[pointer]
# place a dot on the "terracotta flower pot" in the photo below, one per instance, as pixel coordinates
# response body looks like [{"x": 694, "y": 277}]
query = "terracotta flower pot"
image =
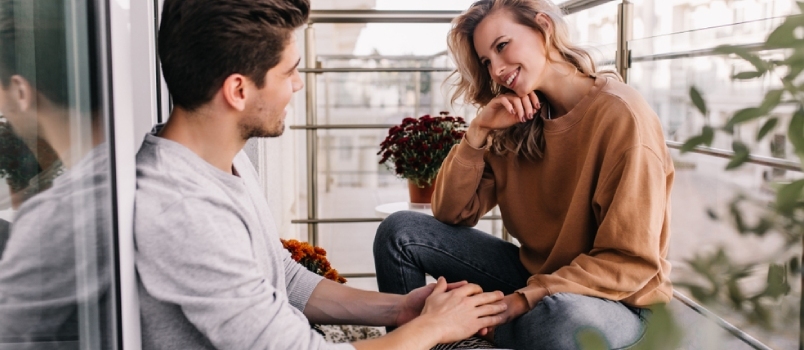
[{"x": 419, "y": 195}]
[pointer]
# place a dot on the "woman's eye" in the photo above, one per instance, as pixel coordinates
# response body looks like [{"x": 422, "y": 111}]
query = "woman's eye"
[
  {"x": 485, "y": 63},
  {"x": 500, "y": 46}
]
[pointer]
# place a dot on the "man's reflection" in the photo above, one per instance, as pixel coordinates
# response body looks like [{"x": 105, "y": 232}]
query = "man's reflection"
[{"x": 55, "y": 269}]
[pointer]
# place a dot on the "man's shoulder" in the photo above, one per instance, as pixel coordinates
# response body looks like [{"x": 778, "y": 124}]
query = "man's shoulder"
[{"x": 166, "y": 175}]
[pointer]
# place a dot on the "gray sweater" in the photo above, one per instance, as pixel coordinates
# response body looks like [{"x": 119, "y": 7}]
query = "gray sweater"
[{"x": 212, "y": 272}]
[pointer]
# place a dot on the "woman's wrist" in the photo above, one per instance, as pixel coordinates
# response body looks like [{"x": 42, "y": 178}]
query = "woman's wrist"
[{"x": 476, "y": 135}]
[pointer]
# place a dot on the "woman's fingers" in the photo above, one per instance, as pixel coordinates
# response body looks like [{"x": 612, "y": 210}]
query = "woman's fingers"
[
  {"x": 519, "y": 108},
  {"x": 507, "y": 105},
  {"x": 469, "y": 289},
  {"x": 534, "y": 100}
]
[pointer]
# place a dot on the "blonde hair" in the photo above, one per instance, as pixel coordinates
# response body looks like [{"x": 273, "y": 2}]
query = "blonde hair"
[{"x": 475, "y": 84}]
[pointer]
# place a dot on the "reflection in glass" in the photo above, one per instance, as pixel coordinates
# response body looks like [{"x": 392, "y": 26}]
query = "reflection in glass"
[{"x": 56, "y": 259}]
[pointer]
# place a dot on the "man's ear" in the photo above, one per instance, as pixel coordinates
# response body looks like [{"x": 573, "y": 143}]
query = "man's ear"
[
  {"x": 234, "y": 91},
  {"x": 21, "y": 93}
]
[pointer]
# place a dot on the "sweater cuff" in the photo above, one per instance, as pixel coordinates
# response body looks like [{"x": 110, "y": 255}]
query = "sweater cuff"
[
  {"x": 469, "y": 155},
  {"x": 303, "y": 288},
  {"x": 534, "y": 292}
]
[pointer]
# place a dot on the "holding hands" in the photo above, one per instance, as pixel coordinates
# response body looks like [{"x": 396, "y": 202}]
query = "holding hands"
[{"x": 462, "y": 310}]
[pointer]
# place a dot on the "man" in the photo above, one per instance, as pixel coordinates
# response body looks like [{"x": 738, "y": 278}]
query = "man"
[{"x": 212, "y": 272}]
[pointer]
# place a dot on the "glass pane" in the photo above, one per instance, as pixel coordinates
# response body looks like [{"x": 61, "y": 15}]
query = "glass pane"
[
  {"x": 657, "y": 17},
  {"x": 56, "y": 255},
  {"x": 418, "y": 5},
  {"x": 663, "y": 70}
]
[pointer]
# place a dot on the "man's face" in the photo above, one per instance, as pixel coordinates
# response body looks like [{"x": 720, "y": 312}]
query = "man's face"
[{"x": 265, "y": 114}]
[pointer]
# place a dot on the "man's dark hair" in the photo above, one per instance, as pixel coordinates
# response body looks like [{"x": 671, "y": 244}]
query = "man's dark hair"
[
  {"x": 202, "y": 42},
  {"x": 33, "y": 45}
]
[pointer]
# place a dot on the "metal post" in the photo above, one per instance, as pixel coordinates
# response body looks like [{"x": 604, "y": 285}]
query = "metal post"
[
  {"x": 312, "y": 144},
  {"x": 417, "y": 85},
  {"x": 625, "y": 20}
]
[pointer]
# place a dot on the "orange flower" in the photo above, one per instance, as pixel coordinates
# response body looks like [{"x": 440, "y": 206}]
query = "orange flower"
[{"x": 312, "y": 258}]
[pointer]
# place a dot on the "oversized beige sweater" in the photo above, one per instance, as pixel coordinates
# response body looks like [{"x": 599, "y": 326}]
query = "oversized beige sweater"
[{"x": 592, "y": 215}]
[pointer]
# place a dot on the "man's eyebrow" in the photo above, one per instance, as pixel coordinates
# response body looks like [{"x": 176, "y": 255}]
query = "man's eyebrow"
[{"x": 294, "y": 66}]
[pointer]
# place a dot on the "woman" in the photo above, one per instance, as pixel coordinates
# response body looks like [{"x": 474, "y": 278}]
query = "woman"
[{"x": 576, "y": 162}]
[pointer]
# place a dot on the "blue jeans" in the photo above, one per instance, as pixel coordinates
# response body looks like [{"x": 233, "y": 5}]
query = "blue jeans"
[{"x": 409, "y": 245}]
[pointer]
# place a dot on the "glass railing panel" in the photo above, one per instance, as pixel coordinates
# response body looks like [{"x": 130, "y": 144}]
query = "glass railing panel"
[
  {"x": 665, "y": 84},
  {"x": 702, "y": 223},
  {"x": 384, "y": 97},
  {"x": 657, "y": 17},
  {"x": 57, "y": 259}
]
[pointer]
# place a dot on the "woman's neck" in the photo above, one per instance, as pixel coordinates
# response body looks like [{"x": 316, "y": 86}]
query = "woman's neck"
[{"x": 564, "y": 91}]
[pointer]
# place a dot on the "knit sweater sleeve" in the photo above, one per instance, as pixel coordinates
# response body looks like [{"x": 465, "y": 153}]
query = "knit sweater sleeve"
[
  {"x": 197, "y": 254},
  {"x": 464, "y": 187},
  {"x": 630, "y": 204}
]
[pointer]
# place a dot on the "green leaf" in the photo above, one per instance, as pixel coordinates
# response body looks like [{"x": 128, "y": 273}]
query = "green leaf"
[
  {"x": 795, "y": 133},
  {"x": 747, "y": 75},
  {"x": 744, "y": 115},
  {"x": 741, "y": 155},
  {"x": 795, "y": 264},
  {"x": 772, "y": 99},
  {"x": 697, "y": 100},
  {"x": 766, "y": 128},
  {"x": 758, "y": 63},
  {"x": 778, "y": 284},
  {"x": 590, "y": 339},
  {"x": 705, "y": 138},
  {"x": 784, "y": 35},
  {"x": 788, "y": 195}
]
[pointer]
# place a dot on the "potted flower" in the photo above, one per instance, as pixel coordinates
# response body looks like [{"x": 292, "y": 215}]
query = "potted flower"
[{"x": 416, "y": 148}]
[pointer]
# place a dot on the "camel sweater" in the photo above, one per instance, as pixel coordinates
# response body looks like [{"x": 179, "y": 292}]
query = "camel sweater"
[{"x": 593, "y": 215}]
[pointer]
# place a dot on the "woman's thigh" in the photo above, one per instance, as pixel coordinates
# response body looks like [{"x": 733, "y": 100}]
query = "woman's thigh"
[
  {"x": 409, "y": 244},
  {"x": 561, "y": 320}
]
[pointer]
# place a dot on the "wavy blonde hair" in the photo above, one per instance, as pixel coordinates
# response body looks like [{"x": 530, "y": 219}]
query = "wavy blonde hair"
[{"x": 474, "y": 83}]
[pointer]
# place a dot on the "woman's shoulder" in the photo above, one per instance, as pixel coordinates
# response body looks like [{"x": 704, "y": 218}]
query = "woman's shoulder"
[{"x": 622, "y": 112}]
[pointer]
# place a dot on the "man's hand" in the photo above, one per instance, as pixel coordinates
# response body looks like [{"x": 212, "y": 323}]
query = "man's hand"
[
  {"x": 459, "y": 313},
  {"x": 412, "y": 304}
]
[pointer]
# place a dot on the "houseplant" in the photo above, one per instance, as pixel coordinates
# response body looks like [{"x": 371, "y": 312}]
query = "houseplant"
[
  {"x": 416, "y": 148},
  {"x": 722, "y": 278}
]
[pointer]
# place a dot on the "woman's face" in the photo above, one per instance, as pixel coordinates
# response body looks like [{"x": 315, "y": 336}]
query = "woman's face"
[{"x": 513, "y": 53}]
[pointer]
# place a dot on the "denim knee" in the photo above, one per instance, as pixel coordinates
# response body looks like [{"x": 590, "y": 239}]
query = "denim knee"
[{"x": 396, "y": 227}]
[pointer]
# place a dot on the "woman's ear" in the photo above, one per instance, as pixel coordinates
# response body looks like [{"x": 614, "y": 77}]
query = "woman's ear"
[{"x": 544, "y": 21}]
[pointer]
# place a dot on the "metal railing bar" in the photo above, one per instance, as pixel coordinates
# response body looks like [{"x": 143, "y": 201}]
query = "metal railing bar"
[
  {"x": 342, "y": 126},
  {"x": 359, "y": 220},
  {"x": 693, "y": 53},
  {"x": 375, "y": 70},
  {"x": 573, "y": 6},
  {"x": 402, "y": 16},
  {"x": 358, "y": 275},
  {"x": 751, "y": 341},
  {"x": 383, "y": 57},
  {"x": 722, "y": 153},
  {"x": 381, "y": 16}
]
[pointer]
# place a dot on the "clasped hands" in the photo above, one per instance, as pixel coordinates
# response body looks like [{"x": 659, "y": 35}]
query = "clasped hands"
[{"x": 460, "y": 310}]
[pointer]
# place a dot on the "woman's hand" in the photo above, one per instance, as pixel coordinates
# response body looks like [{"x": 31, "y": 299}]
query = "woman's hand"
[
  {"x": 461, "y": 312},
  {"x": 502, "y": 112},
  {"x": 517, "y": 306}
]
